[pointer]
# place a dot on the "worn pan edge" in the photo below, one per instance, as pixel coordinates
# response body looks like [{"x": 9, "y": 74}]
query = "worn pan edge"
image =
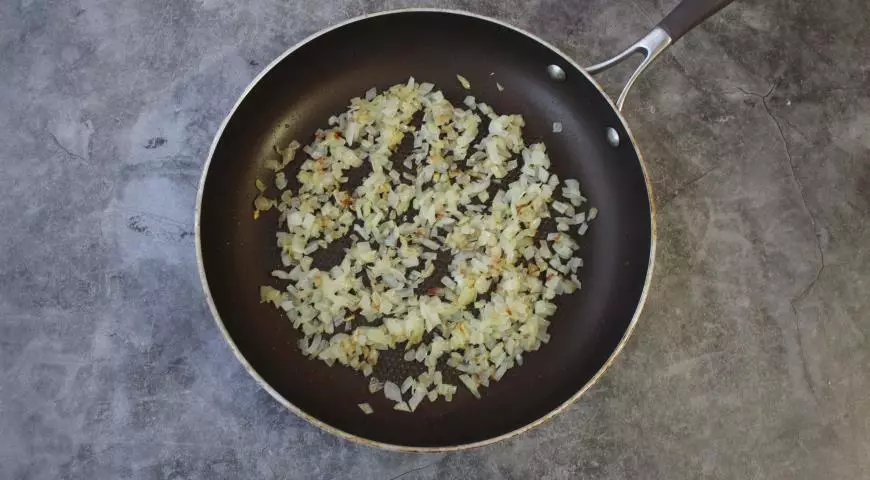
[{"x": 356, "y": 438}]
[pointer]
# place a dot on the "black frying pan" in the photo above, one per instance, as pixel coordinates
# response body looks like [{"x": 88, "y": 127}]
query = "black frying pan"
[{"x": 315, "y": 79}]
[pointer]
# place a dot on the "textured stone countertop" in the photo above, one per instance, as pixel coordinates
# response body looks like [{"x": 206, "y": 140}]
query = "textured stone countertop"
[{"x": 751, "y": 360}]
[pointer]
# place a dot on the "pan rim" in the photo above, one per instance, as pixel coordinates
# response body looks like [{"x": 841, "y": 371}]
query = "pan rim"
[{"x": 385, "y": 445}]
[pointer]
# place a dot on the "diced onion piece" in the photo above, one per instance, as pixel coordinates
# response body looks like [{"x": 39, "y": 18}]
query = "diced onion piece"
[
  {"x": 392, "y": 392},
  {"x": 470, "y": 384},
  {"x": 464, "y": 82},
  {"x": 262, "y": 203},
  {"x": 375, "y": 385},
  {"x": 416, "y": 398},
  {"x": 406, "y": 385},
  {"x": 280, "y": 181}
]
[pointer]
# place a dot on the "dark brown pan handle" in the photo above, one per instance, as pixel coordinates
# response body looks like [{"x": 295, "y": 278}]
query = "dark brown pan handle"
[
  {"x": 688, "y": 14},
  {"x": 684, "y": 17}
]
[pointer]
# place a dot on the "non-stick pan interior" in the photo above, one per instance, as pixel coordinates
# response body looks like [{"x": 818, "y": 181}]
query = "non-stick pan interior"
[{"x": 298, "y": 95}]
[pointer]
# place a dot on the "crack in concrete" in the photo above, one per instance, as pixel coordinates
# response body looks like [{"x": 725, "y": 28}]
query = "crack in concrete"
[
  {"x": 66, "y": 150},
  {"x": 847, "y": 89},
  {"x": 796, "y": 129},
  {"x": 856, "y": 208},
  {"x": 416, "y": 469},
  {"x": 813, "y": 223},
  {"x": 682, "y": 188}
]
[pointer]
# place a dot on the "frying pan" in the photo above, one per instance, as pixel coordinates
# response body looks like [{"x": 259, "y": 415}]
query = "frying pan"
[{"x": 315, "y": 79}]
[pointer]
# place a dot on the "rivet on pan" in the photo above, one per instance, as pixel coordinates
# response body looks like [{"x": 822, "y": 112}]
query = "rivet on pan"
[
  {"x": 556, "y": 73},
  {"x": 612, "y": 137}
]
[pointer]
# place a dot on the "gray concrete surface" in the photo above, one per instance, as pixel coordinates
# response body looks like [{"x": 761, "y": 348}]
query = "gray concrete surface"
[{"x": 752, "y": 358}]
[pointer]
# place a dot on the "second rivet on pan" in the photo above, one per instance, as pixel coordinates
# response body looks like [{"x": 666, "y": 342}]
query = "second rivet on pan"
[
  {"x": 556, "y": 73},
  {"x": 612, "y": 137}
]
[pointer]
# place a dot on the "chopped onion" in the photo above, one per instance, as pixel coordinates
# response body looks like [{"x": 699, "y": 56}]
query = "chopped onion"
[
  {"x": 416, "y": 398},
  {"x": 453, "y": 205},
  {"x": 375, "y": 385},
  {"x": 464, "y": 81},
  {"x": 280, "y": 181},
  {"x": 366, "y": 408},
  {"x": 392, "y": 392},
  {"x": 406, "y": 385},
  {"x": 470, "y": 384},
  {"x": 593, "y": 212},
  {"x": 262, "y": 203}
]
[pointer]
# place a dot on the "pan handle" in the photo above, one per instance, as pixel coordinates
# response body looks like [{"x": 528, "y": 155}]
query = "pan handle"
[{"x": 685, "y": 16}]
